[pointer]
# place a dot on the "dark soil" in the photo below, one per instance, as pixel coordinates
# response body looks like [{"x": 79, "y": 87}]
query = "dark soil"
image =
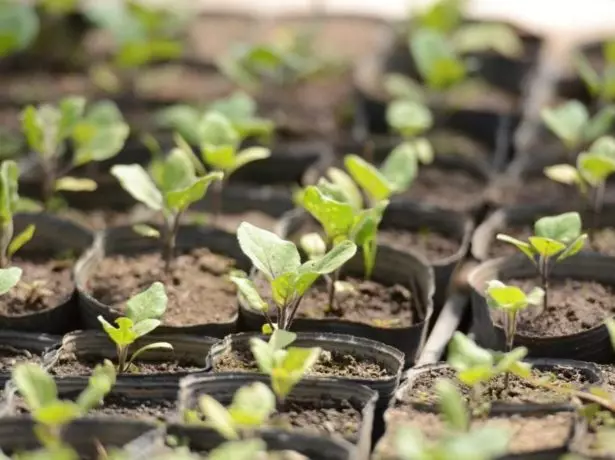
[
  {"x": 135, "y": 408},
  {"x": 199, "y": 291},
  {"x": 447, "y": 189},
  {"x": 528, "y": 433},
  {"x": 45, "y": 284},
  {"x": 517, "y": 392},
  {"x": 574, "y": 306},
  {"x": 331, "y": 363},
  {"x": 10, "y": 356},
  {"x": 434, "y": 246}
]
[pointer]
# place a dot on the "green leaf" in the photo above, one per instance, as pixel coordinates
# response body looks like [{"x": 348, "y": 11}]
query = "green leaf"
[
  {"x": 399, "y": 86},
  {"x": 150, "y": 346},
  {"x": 249, "y": 292},
  {"x": 135, "y": 180},
  {"x": 98, "y": 142},
  {"x": 249, "y": 155},
  {"x": 283, "y": 289},
  {"x": 71, "y": 111},
  {"x": 409, "y": 118},
  {"x": 145, "y": 326},
  {"x": 218, "y": 417},
  {"x": 21, "y": 239},
  {"x": 604, "y": 145},
  {"x": 19, "y": 26},
  {"x": 294, "y": 366},
  {"x": 263, "y": 354},
  {"x": 33, "y": 129},
  {"x": 181, "y": 118},
  {"x": 452, "y": 405},
  {"x": 9, "y": 176},
  {"x": 600, "y": 124},
  {"x": 368, "y": 177},
  {"x": 57, "y": 413},
  {"x": 149, "y": 304},
  {"x": 313, "y": 245},
  {"x": 463, "y": 353},
  {"x": 508, "y": 362},
  {"x": 436, "y": 60},
  {"x": 566, "y": 174},
  {"x": 238, "y": 106},
  {"x": 175, "y": 172},
  {"x": 238, "y": 450},
  {"x": 75, "y": 184},
  {"x": 573, "y": 248},
  {"x": 333, "y": 260},
  {"x": 280, "y": 339},
  {"x": 185, "y": 147},
  {"x": 546, "y": 247},
  {"x": 346, "y": 186},
  {"x": 335, "y": 217},
  {"x": 216, "y": 130},
  {"x": 252, "y": 405},
  {"x": 269, "y": 253},
  {"x": 475, "y": 375},
  {"x": 182, "y": 199},
  {"x": 587, "y": 73},
  {"x": 9, "y": 277},
  {"x": 122, "y": 335},
  {"x": 567, "y": 121},
  {"x": 35, "y": 385},
  {"x": 564, "y": 227},
  {"x": 401, "y": 167},
  {"x": 99, "y": 385},
  {"x": 524, "y": 247},
  {"x": 595, "y": 168},
  {"x": 443, "y": 16},
  {"x": 146, "y": 231},
  {"x": 536, "y": 296},
  {"x": 484, "y": 36},
  {"x": 509, "y": 298}
]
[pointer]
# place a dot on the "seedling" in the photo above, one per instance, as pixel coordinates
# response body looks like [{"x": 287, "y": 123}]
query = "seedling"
[
  {"x": 511, "y": 300},
  {"x": 9, "y": 200},
  {"x": 51, "y": 414},
  {"x": 285, "y": 366},
  {"x": 170, "y": 187},
  {"x": 143, "y": 313},
  {"x": 97, "y": 134},
  {"x": 556, "y": 238},
  {"x": 19, "y": 27},
  {"x": 600, "y": 85},
  {"x": 279, "y": 261},
  {"x": 411, "y": 120}
]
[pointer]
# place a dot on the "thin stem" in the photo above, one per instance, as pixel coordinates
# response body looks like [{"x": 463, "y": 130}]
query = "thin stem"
[
  {"x": 293, "y": 311},
  {"x": 269, "y": 321},
  {"x": 218, "y": 189},
  {"x": 511, "y": 326},
  {"x": 48, "y": 183},
  {"x": 170, "y": 237},
  {"x": 544, "y": 280},
  {"x": 597, "y": 204},
  {"x": 122, "y": 353},
  {"x": 5, "y": 240},
  {"x": 334, "y": 279}
]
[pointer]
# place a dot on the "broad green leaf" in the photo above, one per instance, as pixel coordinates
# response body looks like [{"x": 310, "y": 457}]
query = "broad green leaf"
[
  {"x": 484, "y": 36},
  {"x": 146, "y": 231},
  {"x": 475, "y": 375},
  {"x": 151, "y": 346},
  {"x": 187, "y": 149},
  {"x": 604, "y": 145},
  {"x": 536, "y": 296},
  {"x": 442, "y": 15},
  {"x": 506, "y": 361},
  {"x": 71, "y": 111},
  {"x": 249, "y": 155},
  {"x": 401, "y": 167},
  {"x": 35, "y": 385},
  {"x": 524, "y": 247},
  {"x": 33, "y": 129},
  {"x": 249, "y": 292},
  {"x": 182, "y": 119},
  {"x": 595, "y": 168},
  {"x": 573, "y": 248},
  {"x": 546, "y": 247},
  {"x": 346, "y": 186},
  {"x": 75, "y": 184},
  {"x": 423, "y": 150},
  {"x": 333, "y": 191},
  {"x": 280, "y": 339},
  {"x": 313, "y": 245},
  {"x": 28, "y": 205},
  {"x": 122, "y": 335},
  {"x": 9, "y": 176},
  {"x": 216, "y": 130},
  {"x": 145, "y": 326},
  {"x": 600, "y": 124},
  {"x": 57, "y": 413},
  {"x": 218, "y": 417},
  {"x": 368, "y": 177},
  {"x": 300, "y": 360},
  {"x": 463, "y": 353},
  {"x": 283, "y": 288},
  {"x": 135, "y": 180},
  {"x": 335, "y": 217},
  {"x": 98, "y": 142},
  {"x": 263, "y": 354},
  {"x": 9, "y": 277},
  {"x": 567, "y": 121},
  {"x": 99, "y": 384},
  {"x": 20, "y": 240},
  {"x": 269, "y": 253},
  {"x": 175, "y": 172},
  {"x": 564, "y": 173},
  {"x": 435, "y": 59},
  {"x": 220, "y": 157},
  {"x": 182, "y": 199},
  {"x": 252, "y": 405},
  {"x": 19, "y": 26},
  {"x": 149, "y": 304},
  {"x": 409, "y": 118},
  {"x": 452, "y": 405},
  {"x": 236, "y": 107},
  {"x": 399, "y": 86},
  {"x": 564, "y": 227},
  {"x": 587, "y": 73},
  {"x": 238, "y": 450},
  {"x": 507, "y": 297}
]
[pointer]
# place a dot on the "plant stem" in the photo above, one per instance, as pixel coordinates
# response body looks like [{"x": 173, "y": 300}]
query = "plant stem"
[
  {"x": 597, "y": 204},
  {"x": 48, "y": 183},
  {"x": 544, "y": 280},
  {"x": 334, "y": 279},
  {"x": 218, "y": 188},
  {"x": 122, "y": 354},
  {"x": 170, "y": 237},
  {"x": 294, "y": 306},
  {"x": 6, "y": 235}
]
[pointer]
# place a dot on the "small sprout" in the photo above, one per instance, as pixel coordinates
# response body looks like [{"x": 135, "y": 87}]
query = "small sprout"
[
  {"x": 556, "y": 238},
  {"x": 97, "y": 134},
  {"x": 285, "y": 366},
  {"x": 511, "y": 300},
  {"x": 143, "y": 312},
  {"x": 279, "y": 261},
  {"x": 170, "y": 187}
]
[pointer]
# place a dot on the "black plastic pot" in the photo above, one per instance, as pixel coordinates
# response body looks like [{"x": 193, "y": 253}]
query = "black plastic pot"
[
  {"x": 52, "y": 236},
  {"x": 591, "y": 345},
  {"x": 313, "y": 447},
  {"x": 96, "y": 346},
  {"x": 17, "y": 435},
  {"x": 391, "y": 267},
  {"x": 388, "y": 357},
  {"x": 123, "y": 240},
  {"x": 222, "y": 387}
]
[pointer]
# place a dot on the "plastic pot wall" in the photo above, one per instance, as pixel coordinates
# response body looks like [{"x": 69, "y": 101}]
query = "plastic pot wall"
[
  {"x": 591, "y": 345},
  {"x": 391, "y": 267}
]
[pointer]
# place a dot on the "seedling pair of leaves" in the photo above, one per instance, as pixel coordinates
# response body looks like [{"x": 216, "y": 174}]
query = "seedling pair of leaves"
[
  {"x": 143, "y": 313},
  {"x": 96, "y": 134},
  {"x": 600, "y": 84},
  {"x": 411, "y": 119},
  {"x": 170, "y": 186},
  {"x": 279, "y": 261}
]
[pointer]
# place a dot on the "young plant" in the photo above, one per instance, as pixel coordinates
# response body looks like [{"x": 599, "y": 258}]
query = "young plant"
[
  {"x": 285, "y": 366},
  {"x": 556, "y": 238},
  {"x": 601, "y": 85},
  {"x": 279, "y": 261},
  {"x": 51, "y": 414},
  {"x": 511, "y": 300},
  {"x": 411, "y": 120},
  {"x": 96, "y": 134},
  {"x": 143, "y": 313},
  {"x": 19, "y": 27},
  {"x": 170, "y": 186}
]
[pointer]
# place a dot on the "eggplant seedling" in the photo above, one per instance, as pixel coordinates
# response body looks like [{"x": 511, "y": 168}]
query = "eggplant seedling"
[
  {"x": 170, "y": 187},
  {"x": 511, "y": 300},
  {"x": 143, "y": 313},
  {"x": 96, "y": 134},
  {"x": 411, "y": 120},
  {"x": 279, "y": 261},
  {"x": 556, "y": 238},
  {"x": 600, "y": 84}
]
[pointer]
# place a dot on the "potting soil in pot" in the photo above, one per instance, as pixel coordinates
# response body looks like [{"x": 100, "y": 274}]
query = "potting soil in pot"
[
  {"x": 10, "y": 356},
  {"x": 432, "y": 245}
]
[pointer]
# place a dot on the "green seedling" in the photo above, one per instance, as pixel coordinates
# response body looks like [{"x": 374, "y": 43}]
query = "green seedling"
[
  {"x": 511, "y": 300},
  {"x": 411, "y": 120},
  {"x": 170, "y": 186},
  {"x": 19, "y": 27},
  {"x": 143, "y": 313},
  {"x": 556, "y": 238},
  {"x": 96, "y": 134},
  {"x": 286, "y": 366},
  {"x": 51, "y": 414},
  {"x": 9, "y": 202},
  {"x": 279, "y": 261},
  {"x": 573, "y": 126},
  {"x": 601, "y": 85}
]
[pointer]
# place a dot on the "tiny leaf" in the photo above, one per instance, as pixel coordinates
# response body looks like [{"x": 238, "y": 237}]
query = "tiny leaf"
[
  {"x": 149, "y": 304},
  {"x": 9, "y": 277},
  {"x": 21, "y": 239},
  {"x": 135, "y": 180}
]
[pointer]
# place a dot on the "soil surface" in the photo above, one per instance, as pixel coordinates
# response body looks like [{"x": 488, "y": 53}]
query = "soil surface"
[
  {"x": 330, "y": 363},
  {"x": 199, "y": 291},
  {"x": 10, "y": 356},
  {"x": 434, "y": 246},
  {"x": 135, "y": 408},
  {"x": 528, "y": 434},
  {"x": 448, "y": 189},
  {"x": 573, "y": 306},
  {"x": 608, "y": 376},
  {"x": 45, "y": 284},
  {"x": 518, "y": 391}
]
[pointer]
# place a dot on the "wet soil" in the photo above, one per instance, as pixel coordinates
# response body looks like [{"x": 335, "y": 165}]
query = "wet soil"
[{"x": 434, "y": 246}]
